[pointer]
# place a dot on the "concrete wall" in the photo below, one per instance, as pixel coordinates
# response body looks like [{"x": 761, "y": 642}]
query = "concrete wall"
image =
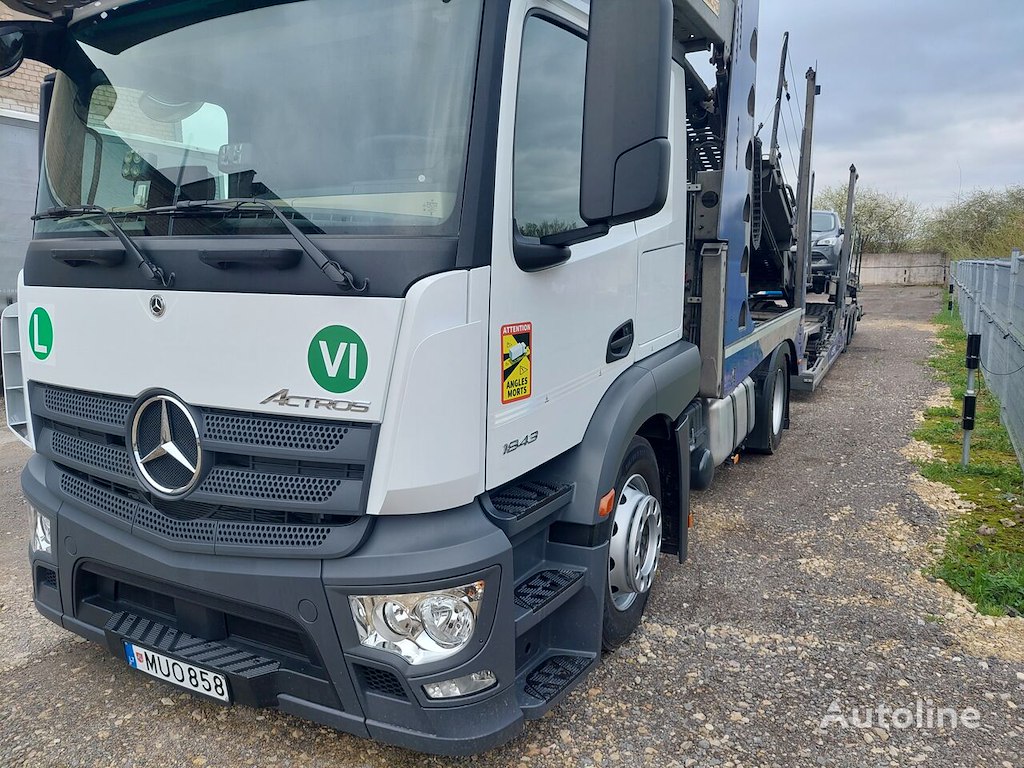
[{"x": 903, "y": 269}]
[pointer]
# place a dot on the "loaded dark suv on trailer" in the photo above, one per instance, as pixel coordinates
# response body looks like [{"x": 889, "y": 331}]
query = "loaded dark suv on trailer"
[{"x": 826, "y": 246}]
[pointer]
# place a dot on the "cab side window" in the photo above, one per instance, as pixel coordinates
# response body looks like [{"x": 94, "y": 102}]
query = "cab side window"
[{"x": 548, "y": 145}]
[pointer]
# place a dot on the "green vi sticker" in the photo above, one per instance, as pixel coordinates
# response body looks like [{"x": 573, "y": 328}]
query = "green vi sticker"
[
  {"x": 338, "y": 359},
  {"x": 40, "y": 333}
]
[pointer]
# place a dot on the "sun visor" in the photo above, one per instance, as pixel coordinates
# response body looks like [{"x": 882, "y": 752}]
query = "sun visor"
[{"x": 51, "y": 9}]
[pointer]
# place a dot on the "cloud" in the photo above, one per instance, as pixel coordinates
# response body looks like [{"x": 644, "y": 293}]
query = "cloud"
[{"x": 924, "y": 96}]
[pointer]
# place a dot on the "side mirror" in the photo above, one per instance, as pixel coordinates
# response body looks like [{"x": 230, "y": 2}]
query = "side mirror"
[
  {"x": 842, "y": 231},
  {"x": 626, "y": 152},
  {"x": 12, "y": 48}
]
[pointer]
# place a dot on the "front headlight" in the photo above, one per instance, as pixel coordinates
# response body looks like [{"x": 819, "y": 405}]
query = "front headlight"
[
  {"x": 40, "y": 541},
  {"x": 826, "y": 241},
  {"x": 421, "y": 627}
]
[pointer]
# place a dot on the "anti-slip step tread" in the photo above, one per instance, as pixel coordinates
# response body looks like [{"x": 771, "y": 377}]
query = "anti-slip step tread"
[
  {"x": 544, "y": 586},
  {"x": 522, "y": 499},
  {"x": 210, "y": 653},
  {"x": 554, "y": 675}
]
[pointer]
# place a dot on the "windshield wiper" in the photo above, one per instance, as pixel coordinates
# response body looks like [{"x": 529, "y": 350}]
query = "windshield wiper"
[
  {"x": 149, "y": 268},
  {"x": 334, "y": 272}
]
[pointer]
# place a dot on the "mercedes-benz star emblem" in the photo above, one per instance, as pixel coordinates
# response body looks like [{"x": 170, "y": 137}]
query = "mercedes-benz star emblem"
[
  {"x": 165, "y": 445},
  {"x": 157, "y": 305}
]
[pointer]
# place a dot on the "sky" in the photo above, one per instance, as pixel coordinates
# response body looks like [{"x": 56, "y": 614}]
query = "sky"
[{"x": 926, "y": 97}]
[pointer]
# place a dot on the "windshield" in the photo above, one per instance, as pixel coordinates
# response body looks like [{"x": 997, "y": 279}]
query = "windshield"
[
  {"x": 351, "y": 114},
  {"x": 823, "y": 221}
]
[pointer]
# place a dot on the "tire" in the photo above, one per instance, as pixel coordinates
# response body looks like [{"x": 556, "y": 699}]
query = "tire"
[
  {"x": 637, "y": 486},
  {"x": 772, "y": 405}
]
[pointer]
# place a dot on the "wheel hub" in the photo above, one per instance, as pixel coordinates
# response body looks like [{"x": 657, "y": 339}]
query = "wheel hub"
[
  {"x": 635, "y": 543},
  {"x": 779, "y": 401}
]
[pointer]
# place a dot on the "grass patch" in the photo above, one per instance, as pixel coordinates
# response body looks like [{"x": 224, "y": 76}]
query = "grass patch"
[{"x": 984, "y": 554}]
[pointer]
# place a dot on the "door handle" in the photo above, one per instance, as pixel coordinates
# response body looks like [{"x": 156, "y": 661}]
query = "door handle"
[{"x": 620, "y": 343}]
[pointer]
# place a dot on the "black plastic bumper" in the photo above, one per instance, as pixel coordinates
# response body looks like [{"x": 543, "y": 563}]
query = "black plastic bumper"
[{"x": 286, "y": 623}]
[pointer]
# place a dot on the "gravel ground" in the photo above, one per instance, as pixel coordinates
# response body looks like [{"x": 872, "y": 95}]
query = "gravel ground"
[{"x": 802, "y": 598}]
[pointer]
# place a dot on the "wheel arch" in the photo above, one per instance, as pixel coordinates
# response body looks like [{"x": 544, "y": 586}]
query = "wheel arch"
[{"x": 645, "y": 400}]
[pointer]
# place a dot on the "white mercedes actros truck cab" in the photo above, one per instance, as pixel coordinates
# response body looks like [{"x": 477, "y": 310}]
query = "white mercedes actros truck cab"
[{"x": 369, "y": 351}]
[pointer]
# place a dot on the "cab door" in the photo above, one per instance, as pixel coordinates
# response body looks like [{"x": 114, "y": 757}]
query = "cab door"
[{"x": 553, "y": 347}]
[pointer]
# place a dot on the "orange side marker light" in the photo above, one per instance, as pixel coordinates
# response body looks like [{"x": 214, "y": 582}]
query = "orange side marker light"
[{"x": 607, "y": 504}]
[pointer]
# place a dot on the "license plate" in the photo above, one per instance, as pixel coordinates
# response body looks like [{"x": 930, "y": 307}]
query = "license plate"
[{"x": 201, "y": 681}]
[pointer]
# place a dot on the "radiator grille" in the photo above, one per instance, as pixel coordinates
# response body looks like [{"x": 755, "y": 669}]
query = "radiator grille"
[
  {"x": 208, "y": 530},
  {"x": 281, "y": 481},
  {"x": 87, "y": 407},
  {"x": 113, "y": 504},
  {"x": 105, "y": 457},
  {"x": 280, "y": 433},
  {"x": 240, "y": 483}
]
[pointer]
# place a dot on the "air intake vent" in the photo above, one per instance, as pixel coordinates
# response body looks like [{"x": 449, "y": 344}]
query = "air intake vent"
[
  {"x": 88, "y": 454},
  {"x": 46, "y": 577},
  {"x": 198, "y": 531},
  {"x": 202, "y": 529},
  {"x": 85, "y": 406},
  {"x": 276, "y": 433},
  {"x": 113, "y": 504},
  {"x": 240, "y": 483},
  {"x": 381, "y": 681},
  {"x": 247, "y": 534}
]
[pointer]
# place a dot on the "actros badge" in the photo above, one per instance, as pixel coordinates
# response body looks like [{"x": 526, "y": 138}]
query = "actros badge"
[{"x": 285, "y": 399}]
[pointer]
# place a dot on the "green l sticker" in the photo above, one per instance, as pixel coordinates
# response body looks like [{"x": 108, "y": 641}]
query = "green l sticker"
[
  {"x": 40, "y": 333},
  {"x": 338, "y": 359}
]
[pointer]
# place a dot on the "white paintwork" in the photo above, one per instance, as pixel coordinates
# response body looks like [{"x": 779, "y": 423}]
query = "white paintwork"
[
  {"x": 659, "y": 301},
  {"x": 219, "y": 350},
  {"x": 575, "y": 307},
  {"x": 662, "y": 244},
  {"x": 430, "y": 453}
]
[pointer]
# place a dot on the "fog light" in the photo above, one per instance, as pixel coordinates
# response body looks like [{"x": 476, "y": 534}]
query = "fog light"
[
  {"x": 40, "y": 541},
  {"x": 421, "y": 627},
  {"x": 461, "y": 686}
]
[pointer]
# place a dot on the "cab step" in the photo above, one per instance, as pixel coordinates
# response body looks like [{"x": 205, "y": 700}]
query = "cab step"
[
  {"x": 545, "y": 586},
  {"x": 540, "y": 594},
  {"x": 543, "y": 686},
  {"x": 516, "y": 507}
]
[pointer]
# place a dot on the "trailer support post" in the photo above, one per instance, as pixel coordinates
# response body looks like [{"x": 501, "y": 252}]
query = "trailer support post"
[
  {"x": 847, "y": 250},
  {"x": 774, "y": 150},
  {"x": 804, "y": 196}
]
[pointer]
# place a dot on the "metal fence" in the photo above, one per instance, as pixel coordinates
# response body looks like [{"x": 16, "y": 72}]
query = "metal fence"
[{"x": 991, "y": 297}]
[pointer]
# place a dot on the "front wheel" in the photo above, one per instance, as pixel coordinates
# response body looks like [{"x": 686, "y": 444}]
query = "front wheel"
[{"x": 634, "y": 543}]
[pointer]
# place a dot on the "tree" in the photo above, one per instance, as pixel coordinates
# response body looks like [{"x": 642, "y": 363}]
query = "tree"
[
  {"x": 985, "y": 224},
  {"x": 887, "y": 223}
]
